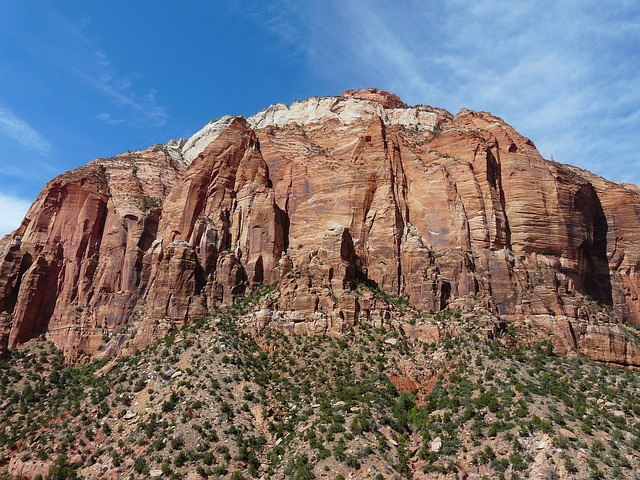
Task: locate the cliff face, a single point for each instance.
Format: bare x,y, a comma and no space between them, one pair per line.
317,196
220,231
73,269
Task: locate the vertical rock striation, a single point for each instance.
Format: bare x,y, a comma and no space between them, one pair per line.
220,231
73,269
320,196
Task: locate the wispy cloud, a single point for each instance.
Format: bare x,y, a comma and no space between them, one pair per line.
21,132
12,211
108,118
145,109
565,74
70,48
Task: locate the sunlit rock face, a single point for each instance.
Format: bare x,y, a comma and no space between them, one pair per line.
318,196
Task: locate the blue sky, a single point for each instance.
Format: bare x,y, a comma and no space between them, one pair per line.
80,80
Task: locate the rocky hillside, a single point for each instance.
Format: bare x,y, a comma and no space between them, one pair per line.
218,399
318,196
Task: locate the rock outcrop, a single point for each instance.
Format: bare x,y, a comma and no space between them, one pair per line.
220,231
323,196
74,268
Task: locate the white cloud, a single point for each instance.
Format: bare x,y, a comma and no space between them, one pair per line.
21,132
12,211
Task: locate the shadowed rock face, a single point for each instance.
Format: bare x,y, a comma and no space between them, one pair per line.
73,268
315,196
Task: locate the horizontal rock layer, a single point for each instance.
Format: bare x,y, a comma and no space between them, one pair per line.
322,197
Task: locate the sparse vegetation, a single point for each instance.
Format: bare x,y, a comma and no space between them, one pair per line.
221,401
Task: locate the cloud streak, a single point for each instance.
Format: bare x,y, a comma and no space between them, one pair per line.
69,49
21,132
563,73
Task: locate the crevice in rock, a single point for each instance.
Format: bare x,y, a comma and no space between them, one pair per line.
593,262
494,177
25,264
285,222
258,271
396,169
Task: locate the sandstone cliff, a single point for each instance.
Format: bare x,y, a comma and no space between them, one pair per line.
322,196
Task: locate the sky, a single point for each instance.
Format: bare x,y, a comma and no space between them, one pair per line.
81,80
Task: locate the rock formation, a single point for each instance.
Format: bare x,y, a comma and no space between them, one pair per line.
320,196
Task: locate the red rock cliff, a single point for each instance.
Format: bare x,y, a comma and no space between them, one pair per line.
316,195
